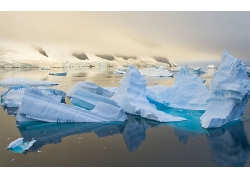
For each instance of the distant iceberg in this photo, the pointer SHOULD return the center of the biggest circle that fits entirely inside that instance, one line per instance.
(188, 91)
(91, 87)
(14, 95)
(58, 73)
(211, 66)
(132, 98)
(228, 94)
(120, 70)
(156, 72)
(19, 146)
(26, 81)
(36, 106)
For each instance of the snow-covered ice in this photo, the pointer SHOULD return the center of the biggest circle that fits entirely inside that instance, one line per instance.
(188, 91)
(25, 81)
(132, 98)
(14, 95)
(91, 87)
(228, 93)
(19, 146)
(36, 106)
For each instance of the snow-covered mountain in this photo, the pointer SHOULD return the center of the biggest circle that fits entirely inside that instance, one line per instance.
(26, 56)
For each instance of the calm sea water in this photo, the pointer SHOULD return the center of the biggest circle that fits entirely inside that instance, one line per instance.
(135, 142)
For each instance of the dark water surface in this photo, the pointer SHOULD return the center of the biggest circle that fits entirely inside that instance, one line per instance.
(135, 142)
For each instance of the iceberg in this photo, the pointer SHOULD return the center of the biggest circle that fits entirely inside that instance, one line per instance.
(37, 106)
(156, 72)
(188, 92)
(13, 96)
(89, 100)
(132, 98)
(120, 70)
(19, 146)
(26, 81)
(91, 87)
(211, 66)
(228, 93)
(58, 74)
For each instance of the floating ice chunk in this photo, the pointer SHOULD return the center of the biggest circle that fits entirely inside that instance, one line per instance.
(91, 87)
(26, 81)
(156, 72)
(188, 92)
(14, 95)
(211, 66)
(132, 97)
(45, 68)
(120, 70)
(89, 100)
(58, 74)
(228, 93)
(19, 146)
(35, 105)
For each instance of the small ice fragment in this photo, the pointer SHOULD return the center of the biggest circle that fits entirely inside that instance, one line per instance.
(8, 139)
(79, 138)
(13, 160)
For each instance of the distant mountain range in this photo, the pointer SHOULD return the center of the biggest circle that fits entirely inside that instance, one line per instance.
(13, 55)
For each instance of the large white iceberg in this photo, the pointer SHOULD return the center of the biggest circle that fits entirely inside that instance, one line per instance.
(36, 106)
(26, 81)
(228, 93)
(91, 87)
(188, 92)
(14, 95)
(132, 98)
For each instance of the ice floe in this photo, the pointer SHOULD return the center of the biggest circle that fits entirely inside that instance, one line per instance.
(36, 106)
(25, 81)
(58, 73)
(19, 146)
(132, 98)
(228, 93)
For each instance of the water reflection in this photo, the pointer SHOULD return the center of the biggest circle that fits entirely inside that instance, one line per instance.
(228, 145)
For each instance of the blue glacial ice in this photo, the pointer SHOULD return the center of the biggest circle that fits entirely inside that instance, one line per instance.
(89, 100)
(26, 81)
(188, 92)
(36, 106)
(19, 146)
(228, 93)
(91, 87)
(132, 98)
(58, 73)
(14, 95)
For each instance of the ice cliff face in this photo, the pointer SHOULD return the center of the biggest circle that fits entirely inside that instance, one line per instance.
(188, 92)
(132, 98)
(228, 94)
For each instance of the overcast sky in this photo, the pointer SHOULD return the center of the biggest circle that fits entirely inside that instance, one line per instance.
(179, 36)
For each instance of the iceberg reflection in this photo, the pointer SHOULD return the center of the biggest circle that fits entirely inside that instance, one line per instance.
(228, 145)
